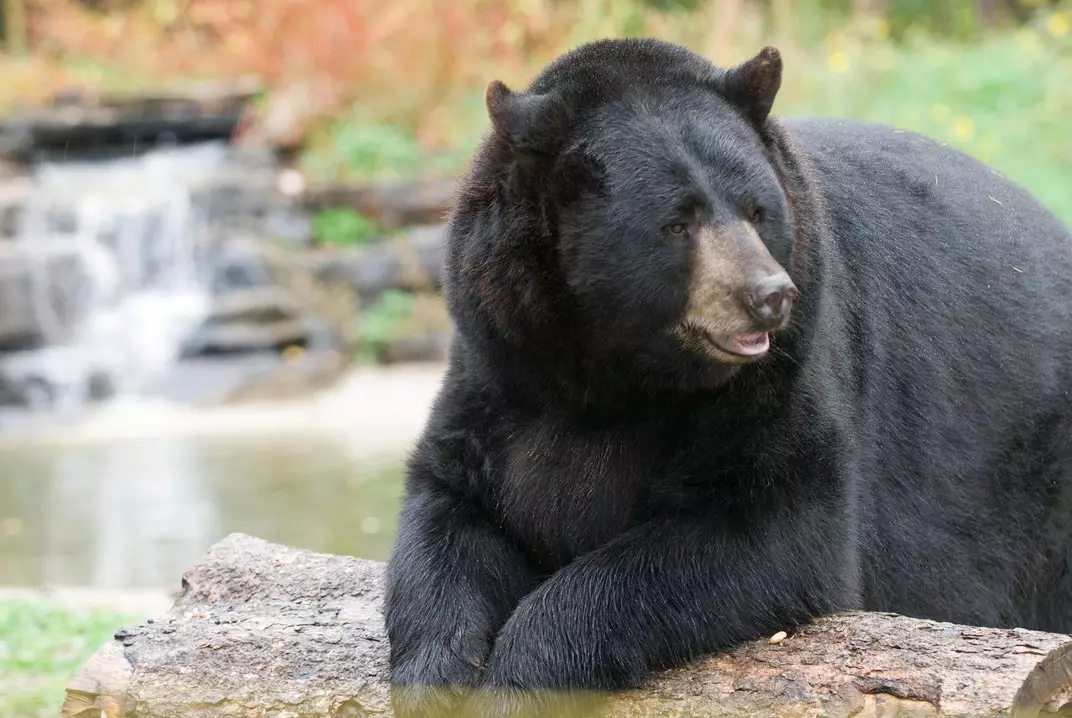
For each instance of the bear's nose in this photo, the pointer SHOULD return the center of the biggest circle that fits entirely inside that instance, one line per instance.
(772, 297)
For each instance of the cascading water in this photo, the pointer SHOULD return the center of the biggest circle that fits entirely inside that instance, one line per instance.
(138, 238)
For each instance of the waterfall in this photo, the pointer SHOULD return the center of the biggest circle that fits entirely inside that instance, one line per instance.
(117, 253)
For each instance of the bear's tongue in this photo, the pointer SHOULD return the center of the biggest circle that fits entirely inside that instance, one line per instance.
(748, 345)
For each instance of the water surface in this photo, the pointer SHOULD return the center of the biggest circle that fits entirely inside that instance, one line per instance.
(135, 513)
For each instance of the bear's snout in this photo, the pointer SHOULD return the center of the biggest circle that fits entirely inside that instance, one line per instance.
(770, 299)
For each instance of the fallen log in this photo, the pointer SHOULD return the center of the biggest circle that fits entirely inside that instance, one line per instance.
(269, 630)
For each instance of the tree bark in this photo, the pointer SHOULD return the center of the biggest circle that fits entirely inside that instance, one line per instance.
(269, 630)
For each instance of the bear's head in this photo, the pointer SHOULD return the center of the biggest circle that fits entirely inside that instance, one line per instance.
(625, 220)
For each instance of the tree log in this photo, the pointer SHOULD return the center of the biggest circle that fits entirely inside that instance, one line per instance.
(269, 630)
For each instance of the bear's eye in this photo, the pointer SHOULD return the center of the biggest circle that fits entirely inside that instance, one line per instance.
(677, 228)
(754, 213)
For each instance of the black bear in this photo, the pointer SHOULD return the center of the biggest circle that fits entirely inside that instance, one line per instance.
(716, 374)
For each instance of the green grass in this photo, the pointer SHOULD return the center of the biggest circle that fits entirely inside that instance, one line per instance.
(42, 645)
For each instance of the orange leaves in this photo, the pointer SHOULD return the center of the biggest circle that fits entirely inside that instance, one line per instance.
(403, 62)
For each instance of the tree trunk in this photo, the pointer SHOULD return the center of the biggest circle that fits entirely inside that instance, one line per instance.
(263, 629)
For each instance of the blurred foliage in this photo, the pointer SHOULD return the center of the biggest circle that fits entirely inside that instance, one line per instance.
(381, 322)
(372, 150)
(398, 315)
(42, 644)
(344, 226)
(391, 90)
(351, 147)
(1006, 100)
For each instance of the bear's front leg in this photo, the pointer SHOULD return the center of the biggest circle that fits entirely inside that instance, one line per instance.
(657, 596)
(451, 583)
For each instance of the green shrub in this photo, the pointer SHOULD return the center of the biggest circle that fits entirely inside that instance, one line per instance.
(344, 226)
(380, 322)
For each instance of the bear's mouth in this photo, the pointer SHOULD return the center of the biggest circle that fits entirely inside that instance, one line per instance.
(751, 345)
(743, 345)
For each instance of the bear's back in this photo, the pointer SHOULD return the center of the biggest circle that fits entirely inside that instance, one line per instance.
(953, 287)
(934, 256)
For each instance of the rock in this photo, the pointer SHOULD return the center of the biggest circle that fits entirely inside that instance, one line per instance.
(300, 368)
(430, 244)
(9, 170)
(41, 294)
(248, 197)
(20, 387)
(392, 206)
(10, 218)
(251, 320)
(295, 375)
(264, 304)
(288, 225)
(45, 377)
(368, 272)
(84, 124)
(240, 264)
(250, 293)
(13, 193)
(411, 262)
(210, 379)
(429, 347)
(16, 142)
(260, 307)
(240, 193)
(245, 336)
(421, 332)
(263, 273)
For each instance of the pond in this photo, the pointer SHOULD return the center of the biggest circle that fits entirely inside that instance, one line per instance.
(134, 514)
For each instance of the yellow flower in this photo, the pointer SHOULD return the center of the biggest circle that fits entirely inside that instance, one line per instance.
(1058, 24)
(838, 62)
(963, 128)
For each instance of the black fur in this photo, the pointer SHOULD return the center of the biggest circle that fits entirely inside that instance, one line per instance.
(590, 501)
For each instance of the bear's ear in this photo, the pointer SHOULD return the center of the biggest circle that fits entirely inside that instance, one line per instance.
(532, 125)
(753, 85)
